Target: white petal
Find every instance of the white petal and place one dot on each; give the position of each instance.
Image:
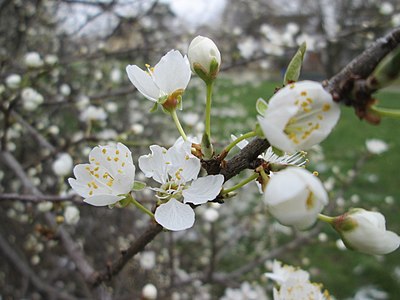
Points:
(275, 134)
(172, 72)
(155, 164)
(174, 215)
(103, 200)
(183, 162)
(143, 82)
(241, 144)
(203, 189)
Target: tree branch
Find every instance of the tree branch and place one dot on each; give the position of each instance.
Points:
(25, 270)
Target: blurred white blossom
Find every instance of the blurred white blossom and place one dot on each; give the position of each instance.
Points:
(13, 81)
(376, 146)
(33, 60)
(71, 215)
(62, 166)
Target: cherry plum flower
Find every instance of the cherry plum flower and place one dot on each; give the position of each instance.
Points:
(177, 170)
(299, 116)
(166, 81)
(107, 178)
(295, 197)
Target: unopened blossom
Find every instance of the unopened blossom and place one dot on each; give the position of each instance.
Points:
(204, 55)
(31, 99)
(210, 215)
(33, 60)
(71, 215)
(386, 8)
(177, 170)
(107, 178)
(13, 81)
(365, 231)
(376, 146)
(299, 116)
(164, 83)
(149, 292)
(62, 166)
(295, 197)
(65, 89)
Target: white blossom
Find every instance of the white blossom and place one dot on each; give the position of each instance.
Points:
(210, 215)
(31, 99)
(376, 146)
(62, 166)
(13, 81)
(147, 260)
(169, 77)
(149, 292)
(65, 89)
(93, 113)
(115, 75)
(177, 170)
(33, 60)
(107, 178)
(299, 116)
(365, 231)
(386, 8)
(202, 52)
(51, 59)
(295, 197)
(71, 215)
(294, 284)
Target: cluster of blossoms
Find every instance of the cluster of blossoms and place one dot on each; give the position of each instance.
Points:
(294, 284)
(299, 116)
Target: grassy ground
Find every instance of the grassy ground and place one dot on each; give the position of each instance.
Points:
(342, 272)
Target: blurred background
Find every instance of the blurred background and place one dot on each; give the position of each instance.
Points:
(64, 89)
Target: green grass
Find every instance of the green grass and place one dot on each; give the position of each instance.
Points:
(342, 272)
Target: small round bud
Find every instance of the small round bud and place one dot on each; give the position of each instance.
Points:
(204, 57)
(13, 81)
(33, 60)
(149, 292)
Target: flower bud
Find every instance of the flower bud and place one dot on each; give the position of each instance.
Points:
(295, 197)
(33, 60)
(13, 81)
(204, 58)
(365, 231)
(149, 292)
(62, 166)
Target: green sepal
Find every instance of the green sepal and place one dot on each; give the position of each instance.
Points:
(277, 151)
(261, 106)
(206, 146)
(154, 108)
(138, 186)
(162, 99)
(259, 131)
(214, 68)
(124, 202)
(199, 70)
(386, 71)
(293, 70)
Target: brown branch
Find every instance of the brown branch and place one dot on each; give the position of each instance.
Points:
(137, 246)
(73, 249)
(25, 270)
(341, 85)
(40, 198)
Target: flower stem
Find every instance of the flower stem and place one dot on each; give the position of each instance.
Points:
(178, 124)
(386, 112)
(208, 109)
(240, 184)
(140, 206)
(238, 140)
(326, 219)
